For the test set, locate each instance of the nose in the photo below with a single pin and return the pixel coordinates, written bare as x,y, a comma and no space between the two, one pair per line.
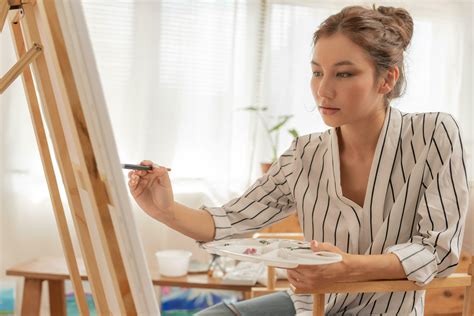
325,89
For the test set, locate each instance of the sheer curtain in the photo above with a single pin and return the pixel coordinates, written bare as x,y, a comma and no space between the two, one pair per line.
174,84
175,75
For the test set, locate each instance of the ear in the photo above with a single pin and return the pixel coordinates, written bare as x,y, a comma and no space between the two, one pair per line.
389,80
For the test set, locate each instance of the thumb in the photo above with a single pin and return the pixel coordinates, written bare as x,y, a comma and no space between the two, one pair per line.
322,246
314,245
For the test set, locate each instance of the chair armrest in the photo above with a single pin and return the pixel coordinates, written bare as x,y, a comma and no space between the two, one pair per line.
454,280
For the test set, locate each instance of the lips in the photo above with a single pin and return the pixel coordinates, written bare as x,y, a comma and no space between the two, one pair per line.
325,110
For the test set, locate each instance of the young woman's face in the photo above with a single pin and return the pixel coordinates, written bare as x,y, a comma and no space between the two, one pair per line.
343,81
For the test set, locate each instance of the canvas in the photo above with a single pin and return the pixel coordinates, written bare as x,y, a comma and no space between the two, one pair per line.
73,107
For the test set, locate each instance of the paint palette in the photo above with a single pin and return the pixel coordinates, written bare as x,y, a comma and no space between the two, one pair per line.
282,253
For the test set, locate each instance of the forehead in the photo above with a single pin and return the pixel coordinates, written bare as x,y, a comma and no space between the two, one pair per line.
338,47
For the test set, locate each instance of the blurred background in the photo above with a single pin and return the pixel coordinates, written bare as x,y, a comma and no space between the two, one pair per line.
176,76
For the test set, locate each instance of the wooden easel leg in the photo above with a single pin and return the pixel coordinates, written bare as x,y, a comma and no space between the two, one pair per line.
50,106
4,8
57,298
45,154
31,302
94,183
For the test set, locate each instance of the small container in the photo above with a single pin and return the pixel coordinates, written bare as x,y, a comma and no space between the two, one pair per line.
173,263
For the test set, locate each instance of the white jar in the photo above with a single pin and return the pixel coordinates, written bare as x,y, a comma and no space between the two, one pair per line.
173,263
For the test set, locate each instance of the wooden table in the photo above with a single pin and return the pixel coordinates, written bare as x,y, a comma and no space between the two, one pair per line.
54,271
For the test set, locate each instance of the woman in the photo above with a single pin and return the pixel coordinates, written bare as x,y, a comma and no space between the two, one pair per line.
386,190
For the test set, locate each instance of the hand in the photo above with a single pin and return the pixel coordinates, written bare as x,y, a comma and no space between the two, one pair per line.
152,191
310,276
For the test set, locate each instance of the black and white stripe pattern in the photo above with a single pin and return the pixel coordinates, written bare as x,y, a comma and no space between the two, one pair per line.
415,205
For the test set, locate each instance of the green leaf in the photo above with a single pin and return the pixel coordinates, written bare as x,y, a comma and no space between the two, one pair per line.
254,109
250,108
284,120
293,132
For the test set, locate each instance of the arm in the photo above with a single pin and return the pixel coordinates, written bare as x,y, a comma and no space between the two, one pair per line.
352,268
267,201
196,224
376,267
434,249
153,192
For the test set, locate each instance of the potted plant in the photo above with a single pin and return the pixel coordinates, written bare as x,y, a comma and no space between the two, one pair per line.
272,131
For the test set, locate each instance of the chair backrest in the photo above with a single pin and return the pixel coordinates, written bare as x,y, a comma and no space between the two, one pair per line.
468,246
468,243
288,225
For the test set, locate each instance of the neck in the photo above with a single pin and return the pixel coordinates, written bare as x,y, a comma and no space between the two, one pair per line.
359,139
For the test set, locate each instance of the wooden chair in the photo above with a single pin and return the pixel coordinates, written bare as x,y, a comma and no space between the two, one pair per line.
454,280
439,287
440,292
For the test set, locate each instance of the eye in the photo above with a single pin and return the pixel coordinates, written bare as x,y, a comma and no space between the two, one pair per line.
317,74
343,75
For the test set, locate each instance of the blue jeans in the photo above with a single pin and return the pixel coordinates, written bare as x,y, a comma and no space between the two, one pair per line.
275,304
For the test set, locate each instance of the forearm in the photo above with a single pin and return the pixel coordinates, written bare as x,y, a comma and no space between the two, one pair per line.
376,267
194,223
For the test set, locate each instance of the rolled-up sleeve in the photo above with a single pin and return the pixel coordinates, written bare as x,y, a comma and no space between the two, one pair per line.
434,250
267,201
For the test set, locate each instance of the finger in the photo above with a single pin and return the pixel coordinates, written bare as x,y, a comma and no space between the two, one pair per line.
133,173
132,183
297,274
296,280
324,246
289,273
319,246
146,163
162,174
292,280
137,185
139,173
133,179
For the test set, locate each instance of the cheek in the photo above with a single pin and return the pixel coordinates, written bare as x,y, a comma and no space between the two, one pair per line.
314,86
358,92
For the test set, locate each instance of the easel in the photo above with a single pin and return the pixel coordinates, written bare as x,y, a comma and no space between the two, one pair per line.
33,24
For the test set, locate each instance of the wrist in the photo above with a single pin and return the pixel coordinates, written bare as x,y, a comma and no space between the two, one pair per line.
358,268
166,216
375,267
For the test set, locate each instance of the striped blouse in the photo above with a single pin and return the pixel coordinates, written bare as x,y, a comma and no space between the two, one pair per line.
415,205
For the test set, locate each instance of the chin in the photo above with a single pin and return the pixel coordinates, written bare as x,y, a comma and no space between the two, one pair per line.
331,122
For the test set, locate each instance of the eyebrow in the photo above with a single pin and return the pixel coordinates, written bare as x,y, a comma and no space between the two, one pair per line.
341,63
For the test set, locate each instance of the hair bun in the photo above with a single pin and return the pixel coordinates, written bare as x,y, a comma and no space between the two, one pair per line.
403,23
